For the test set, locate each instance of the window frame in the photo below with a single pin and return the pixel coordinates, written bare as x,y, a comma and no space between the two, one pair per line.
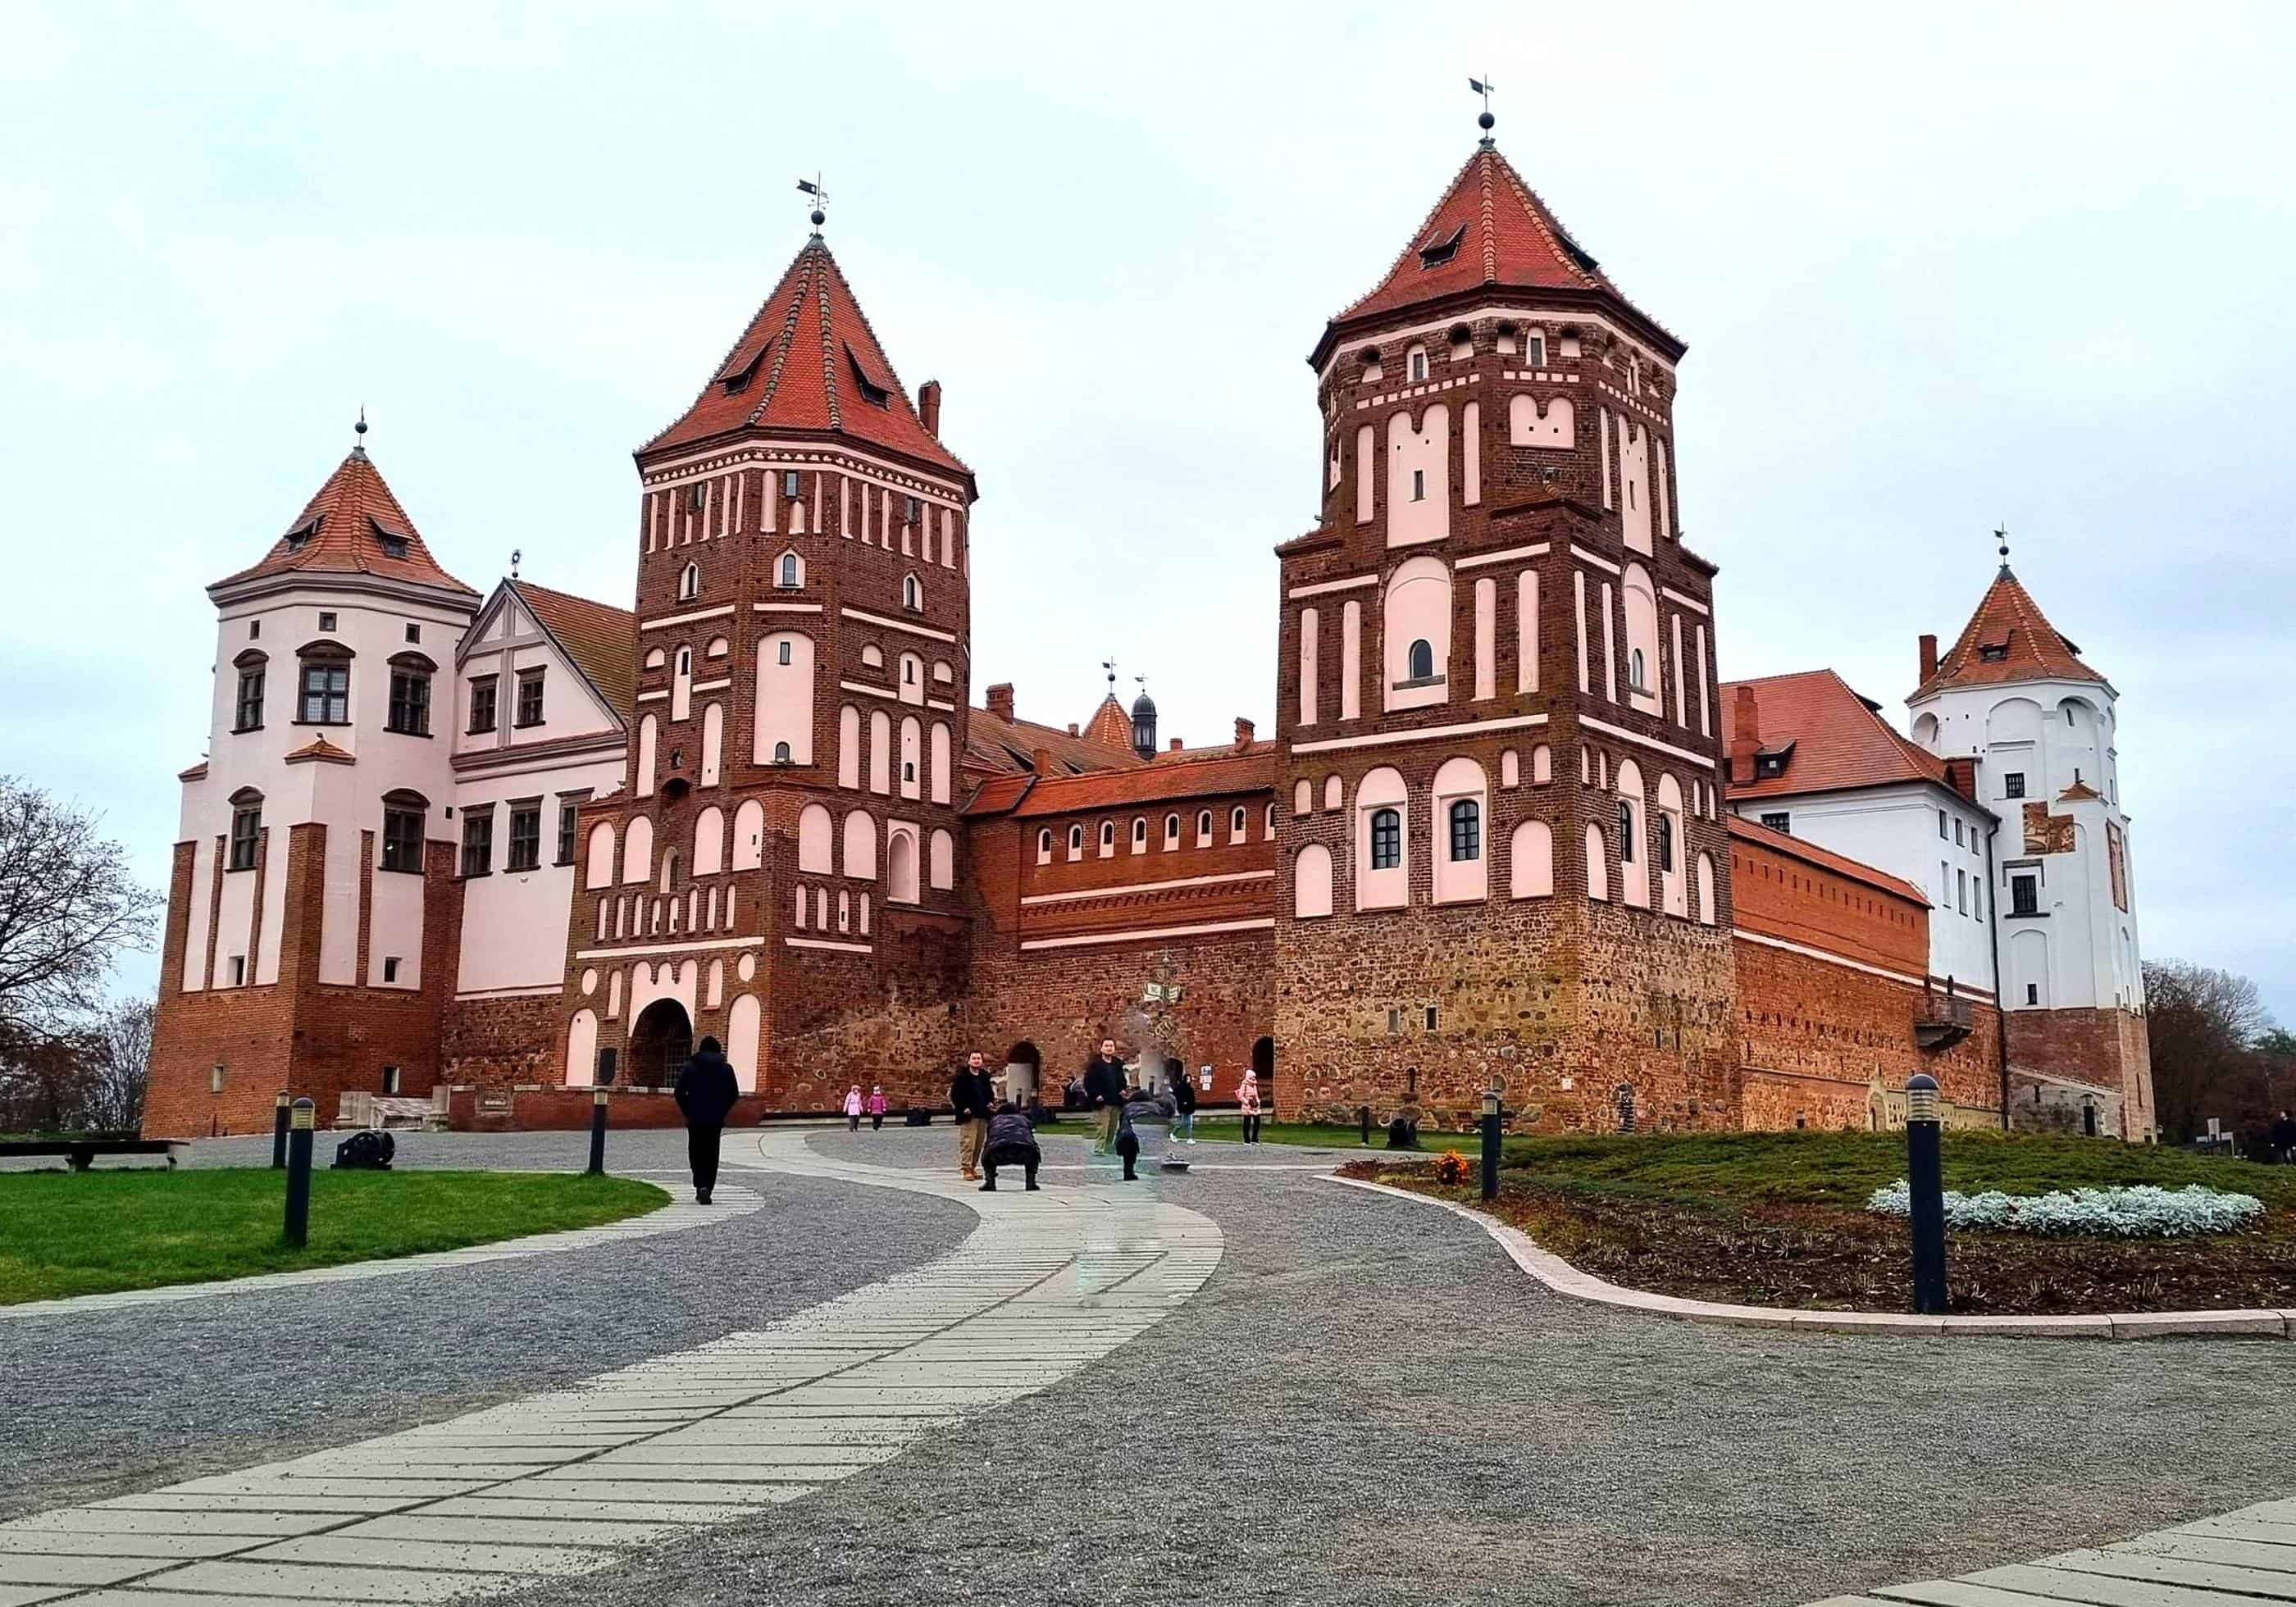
1386,838
246,836
570,820
487,688
529,680
334,702
524,850
478,846
408,711
1465,818
246,702
395,845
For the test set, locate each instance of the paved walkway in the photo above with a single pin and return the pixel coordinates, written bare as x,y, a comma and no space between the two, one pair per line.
2243,1559
569,1481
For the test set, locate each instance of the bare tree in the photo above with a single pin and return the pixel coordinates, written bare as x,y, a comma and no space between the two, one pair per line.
111,1092
2204,1027
67,908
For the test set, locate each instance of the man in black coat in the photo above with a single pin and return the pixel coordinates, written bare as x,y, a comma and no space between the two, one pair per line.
970,1094
1104,1090
706,1092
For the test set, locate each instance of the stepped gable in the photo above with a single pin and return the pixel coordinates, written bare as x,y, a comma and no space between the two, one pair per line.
1832,738
352,525
808,361
2008,639
601,640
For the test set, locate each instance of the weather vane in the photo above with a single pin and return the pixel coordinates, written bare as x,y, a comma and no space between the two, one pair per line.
1483,87
515,555
820,192
359,429
1110,665
2001,535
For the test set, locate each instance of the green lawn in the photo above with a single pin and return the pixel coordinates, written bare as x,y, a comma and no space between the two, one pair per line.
89,1233
1229,1129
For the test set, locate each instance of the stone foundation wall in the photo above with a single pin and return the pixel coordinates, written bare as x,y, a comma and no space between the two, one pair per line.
2103,1055
499,1042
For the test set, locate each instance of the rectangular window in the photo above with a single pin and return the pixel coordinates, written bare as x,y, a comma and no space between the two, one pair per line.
1960,889
1419,485
239,970
482,704
248,712
789,482
390,1080
246,832
1957,839
529,697
2032,993
410,702
391,968
402,840
413,633
2012,785
911,509
1466,830
326,694
2024,895
566,812
525,838
326,621
1385,840
1431,1018
1780,822
1941,825
478,840
1534,349
1626,832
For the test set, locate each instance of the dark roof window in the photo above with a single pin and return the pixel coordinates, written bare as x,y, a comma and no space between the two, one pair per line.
300,535
874,391
1436,249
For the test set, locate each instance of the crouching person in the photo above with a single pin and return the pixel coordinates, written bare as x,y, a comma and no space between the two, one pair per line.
1011,1142
1144,1120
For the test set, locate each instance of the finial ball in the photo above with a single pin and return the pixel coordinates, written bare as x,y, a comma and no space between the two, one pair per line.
819,218
1486,122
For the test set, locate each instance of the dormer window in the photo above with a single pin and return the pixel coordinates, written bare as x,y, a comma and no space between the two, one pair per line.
1769,764
1993,652
1440,247
393,542
874,390
300,535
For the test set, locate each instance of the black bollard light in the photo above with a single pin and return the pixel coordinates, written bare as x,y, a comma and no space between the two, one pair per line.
279,1132
299,1174
598,1132
1363,1120
1491,1143
1925,1184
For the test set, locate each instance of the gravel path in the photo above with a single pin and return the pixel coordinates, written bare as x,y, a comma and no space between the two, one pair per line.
98,1403
1369,1404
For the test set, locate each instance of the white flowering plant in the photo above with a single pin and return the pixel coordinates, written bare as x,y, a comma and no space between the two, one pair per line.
2142,1211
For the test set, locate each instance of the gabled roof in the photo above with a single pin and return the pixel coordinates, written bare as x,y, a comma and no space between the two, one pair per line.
1220,775
1489,229
808,360
1110,726
1780,842
352,525
2008,639
1834,739
994,744
601,640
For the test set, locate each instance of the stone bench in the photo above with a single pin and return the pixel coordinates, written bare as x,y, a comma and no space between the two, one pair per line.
82,1151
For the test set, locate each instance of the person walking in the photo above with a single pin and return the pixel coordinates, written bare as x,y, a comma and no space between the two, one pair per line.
876,1107
1247,1102
1104,1090
970,1095
1011,1142
853,1108
1184,1105
2283,1139
705,1092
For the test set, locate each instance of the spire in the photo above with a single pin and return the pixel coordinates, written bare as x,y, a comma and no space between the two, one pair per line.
1488,229
2008,639
353,525
1110,726
808,361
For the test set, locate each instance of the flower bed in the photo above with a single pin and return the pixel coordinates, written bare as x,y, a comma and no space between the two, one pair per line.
2138,1212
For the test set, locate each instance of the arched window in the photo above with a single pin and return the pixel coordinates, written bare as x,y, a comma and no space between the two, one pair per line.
913,593
600,871
941,870
1626,832
1460,791
1076,842
1044,846
1335,792
1640,601
1382,862
1542,764
748,837
1415,635
1107,838
689,582
1140,834
1637,670
1666,844
1466,829
1237,829
1203,828
792,572
860,846
1385,840
873,657
710,842
1423,660
901,866
1706,912
1172,830
781,753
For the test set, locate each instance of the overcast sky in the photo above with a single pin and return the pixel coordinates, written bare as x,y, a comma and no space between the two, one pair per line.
1938,268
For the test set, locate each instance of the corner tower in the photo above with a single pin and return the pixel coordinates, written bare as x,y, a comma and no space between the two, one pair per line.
1503,860
2013,695
780,869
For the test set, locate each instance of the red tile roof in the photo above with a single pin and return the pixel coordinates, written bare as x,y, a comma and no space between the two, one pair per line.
2008,639
1222,774
1780,843
1110,726
1836,737
994,744
809,361
600,639
1490,228
343,529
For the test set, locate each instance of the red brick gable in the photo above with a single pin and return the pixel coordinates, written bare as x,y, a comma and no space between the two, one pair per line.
2008,639
808,360
353,525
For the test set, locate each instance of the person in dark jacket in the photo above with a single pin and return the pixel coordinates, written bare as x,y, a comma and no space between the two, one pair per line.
970,1094
2283,1139
1011,1142
1184,1101
1141,1116
706,1092
1103,1091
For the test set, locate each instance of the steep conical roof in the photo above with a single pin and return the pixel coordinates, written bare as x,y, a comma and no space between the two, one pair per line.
1490,228
1109,725
353,525
809,361
2008,639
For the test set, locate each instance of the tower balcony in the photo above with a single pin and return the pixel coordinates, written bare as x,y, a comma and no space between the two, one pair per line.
1941,1021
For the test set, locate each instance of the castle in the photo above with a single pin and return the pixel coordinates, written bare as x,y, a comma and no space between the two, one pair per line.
1510,828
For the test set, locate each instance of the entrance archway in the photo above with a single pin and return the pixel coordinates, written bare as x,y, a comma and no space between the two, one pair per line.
1263,1061
1024,1070
661,1040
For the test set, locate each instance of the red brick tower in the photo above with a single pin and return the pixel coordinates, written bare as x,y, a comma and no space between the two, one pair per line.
780,869
1502,859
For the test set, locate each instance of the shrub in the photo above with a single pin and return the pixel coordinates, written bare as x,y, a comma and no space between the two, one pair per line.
1451,1168
2140,1212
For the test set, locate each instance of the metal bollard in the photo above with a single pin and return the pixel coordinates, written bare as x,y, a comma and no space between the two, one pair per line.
279,1132
1491,1144
1363,1120
298,1174
1925,1183
598,1133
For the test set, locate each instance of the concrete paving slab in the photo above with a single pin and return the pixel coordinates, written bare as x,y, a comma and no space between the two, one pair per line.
460,1556
121,1521
2102,1590
500,1530
301,1581
32,1569
675,1514
81,1543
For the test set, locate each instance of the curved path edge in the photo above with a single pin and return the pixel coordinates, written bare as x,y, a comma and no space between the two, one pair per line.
1559,1276
672,1216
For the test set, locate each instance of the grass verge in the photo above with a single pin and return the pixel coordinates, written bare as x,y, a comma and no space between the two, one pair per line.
1778,1219
92,1233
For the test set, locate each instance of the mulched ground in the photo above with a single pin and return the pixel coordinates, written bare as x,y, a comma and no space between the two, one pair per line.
1830,1256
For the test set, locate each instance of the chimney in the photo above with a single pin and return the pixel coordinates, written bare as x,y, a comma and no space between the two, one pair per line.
1745,736
1243,731
928,407
1072,728
1041,761
1929,657
1000,701
1175,745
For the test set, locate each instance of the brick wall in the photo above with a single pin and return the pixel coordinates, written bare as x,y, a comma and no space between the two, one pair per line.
2061,1060
496,1042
